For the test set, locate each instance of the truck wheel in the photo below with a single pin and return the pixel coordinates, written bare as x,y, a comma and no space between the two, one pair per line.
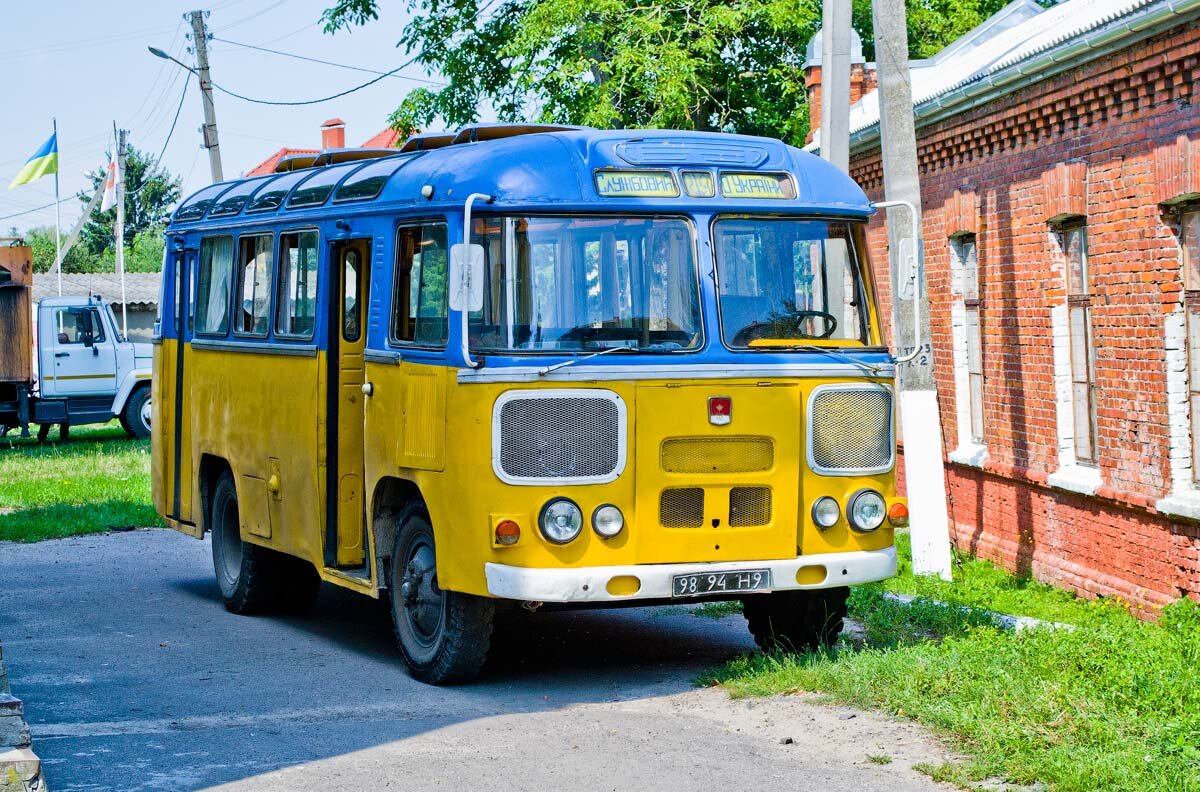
136,415
796,621
443,635
254,579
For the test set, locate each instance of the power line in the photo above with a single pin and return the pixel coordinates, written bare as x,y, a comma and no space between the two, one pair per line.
327,63
255,15
275,103
36,209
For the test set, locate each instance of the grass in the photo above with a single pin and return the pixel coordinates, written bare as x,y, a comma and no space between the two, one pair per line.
96,481
1111,705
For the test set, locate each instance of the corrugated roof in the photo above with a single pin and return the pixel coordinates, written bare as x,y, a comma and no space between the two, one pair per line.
1018,32
141,288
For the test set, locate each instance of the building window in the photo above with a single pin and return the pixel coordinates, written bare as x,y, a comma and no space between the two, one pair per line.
1083,355
1189,237
966,250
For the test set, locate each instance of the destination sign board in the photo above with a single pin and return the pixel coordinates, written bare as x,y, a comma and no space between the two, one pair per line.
699,184
757,185
636,184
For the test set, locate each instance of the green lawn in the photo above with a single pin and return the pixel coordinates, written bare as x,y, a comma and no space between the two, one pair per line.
96,481
1111,705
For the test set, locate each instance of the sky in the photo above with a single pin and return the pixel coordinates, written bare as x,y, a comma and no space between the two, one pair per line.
86,64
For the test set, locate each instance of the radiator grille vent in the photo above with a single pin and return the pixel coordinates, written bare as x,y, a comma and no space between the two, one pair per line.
681,508
851,430
749,506
561,437
717,454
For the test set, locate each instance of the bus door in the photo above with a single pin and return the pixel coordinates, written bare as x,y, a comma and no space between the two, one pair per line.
345,527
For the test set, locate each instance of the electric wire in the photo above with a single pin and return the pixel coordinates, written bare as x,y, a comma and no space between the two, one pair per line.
327,63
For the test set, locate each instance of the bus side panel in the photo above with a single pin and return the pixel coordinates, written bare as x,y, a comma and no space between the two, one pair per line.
259,413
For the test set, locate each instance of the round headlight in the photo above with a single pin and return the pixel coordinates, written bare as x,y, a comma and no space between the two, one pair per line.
607,520
867,510
826,512
560,520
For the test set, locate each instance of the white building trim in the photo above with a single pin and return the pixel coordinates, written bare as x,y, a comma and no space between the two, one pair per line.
1184,498
968,451
1070,475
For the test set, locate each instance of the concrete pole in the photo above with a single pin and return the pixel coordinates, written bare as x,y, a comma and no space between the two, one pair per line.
200,39
835,83
121,227
920,420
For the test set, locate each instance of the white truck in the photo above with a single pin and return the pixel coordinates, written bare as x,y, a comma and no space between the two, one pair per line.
69,366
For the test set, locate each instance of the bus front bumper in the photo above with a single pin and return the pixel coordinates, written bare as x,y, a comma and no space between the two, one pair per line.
655,581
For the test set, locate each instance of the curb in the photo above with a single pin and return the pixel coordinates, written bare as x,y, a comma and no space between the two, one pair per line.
20,768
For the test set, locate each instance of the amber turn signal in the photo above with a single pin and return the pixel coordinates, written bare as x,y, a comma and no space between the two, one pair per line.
507,533
898,515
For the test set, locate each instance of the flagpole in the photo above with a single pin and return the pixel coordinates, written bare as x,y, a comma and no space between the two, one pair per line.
120,135
57,218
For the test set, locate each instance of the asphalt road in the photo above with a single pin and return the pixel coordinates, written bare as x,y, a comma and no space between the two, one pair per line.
135,678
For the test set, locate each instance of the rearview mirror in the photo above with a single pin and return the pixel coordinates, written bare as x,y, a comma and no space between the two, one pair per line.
466,277
87,332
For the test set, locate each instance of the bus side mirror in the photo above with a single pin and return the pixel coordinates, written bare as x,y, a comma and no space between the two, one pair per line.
466,277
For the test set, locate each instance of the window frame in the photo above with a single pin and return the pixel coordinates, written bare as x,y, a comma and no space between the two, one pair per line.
874,333
1081,301
239,285
232,284
274,330
392,339
1191,330
972,309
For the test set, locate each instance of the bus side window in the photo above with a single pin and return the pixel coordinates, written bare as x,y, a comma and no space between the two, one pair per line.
296,303
254,285
351,275
419,305
212,285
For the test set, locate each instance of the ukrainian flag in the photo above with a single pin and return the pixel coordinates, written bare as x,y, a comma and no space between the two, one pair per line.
43,162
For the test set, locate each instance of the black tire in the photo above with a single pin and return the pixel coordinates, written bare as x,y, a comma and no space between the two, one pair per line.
254,579
796,621
135,418
444,636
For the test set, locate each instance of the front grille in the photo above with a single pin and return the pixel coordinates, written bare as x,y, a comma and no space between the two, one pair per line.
681,508
717,454
749,506
551,438
851,429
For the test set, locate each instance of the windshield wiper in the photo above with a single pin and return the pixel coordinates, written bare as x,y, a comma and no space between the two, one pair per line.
873,369
547,369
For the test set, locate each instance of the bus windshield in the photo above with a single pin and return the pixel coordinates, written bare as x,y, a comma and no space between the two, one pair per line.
788,282
574,283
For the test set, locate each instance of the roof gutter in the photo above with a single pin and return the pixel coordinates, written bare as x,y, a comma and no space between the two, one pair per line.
1103,41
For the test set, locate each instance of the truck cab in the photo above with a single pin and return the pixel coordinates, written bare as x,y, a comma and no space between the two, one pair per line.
86,371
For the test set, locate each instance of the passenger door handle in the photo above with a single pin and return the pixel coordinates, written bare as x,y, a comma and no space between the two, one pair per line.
368,388
62,354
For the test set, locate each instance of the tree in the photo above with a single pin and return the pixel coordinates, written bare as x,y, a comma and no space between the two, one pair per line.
689,64
151,193
41,239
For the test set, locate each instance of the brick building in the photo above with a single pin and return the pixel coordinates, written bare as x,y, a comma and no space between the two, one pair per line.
1060,170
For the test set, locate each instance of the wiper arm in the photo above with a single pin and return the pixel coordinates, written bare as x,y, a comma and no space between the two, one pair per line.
873,369
547,369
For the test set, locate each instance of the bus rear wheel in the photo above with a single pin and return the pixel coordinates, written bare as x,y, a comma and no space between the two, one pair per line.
796,621
254,579
444,636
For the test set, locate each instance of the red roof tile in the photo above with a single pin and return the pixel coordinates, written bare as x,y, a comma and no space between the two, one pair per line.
268,165
388,138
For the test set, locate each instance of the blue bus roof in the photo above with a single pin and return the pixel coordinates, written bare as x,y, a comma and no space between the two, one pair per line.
550,168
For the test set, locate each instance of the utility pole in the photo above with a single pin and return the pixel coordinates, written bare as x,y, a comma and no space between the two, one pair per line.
835,83
120,229
921,426
200,39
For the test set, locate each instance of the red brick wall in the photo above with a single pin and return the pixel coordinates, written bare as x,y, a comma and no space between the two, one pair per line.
1022,157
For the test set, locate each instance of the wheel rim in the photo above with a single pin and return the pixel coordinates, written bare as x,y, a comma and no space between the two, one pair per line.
230,538
144,414
422,602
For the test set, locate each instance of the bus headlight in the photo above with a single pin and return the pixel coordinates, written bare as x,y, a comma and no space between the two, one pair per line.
866,510
607,521
826,512
560,520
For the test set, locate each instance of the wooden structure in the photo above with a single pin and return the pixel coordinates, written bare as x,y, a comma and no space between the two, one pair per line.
16,314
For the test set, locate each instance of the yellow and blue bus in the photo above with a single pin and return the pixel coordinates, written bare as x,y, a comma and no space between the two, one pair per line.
531,365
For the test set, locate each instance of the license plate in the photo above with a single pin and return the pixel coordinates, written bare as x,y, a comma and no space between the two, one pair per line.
701,583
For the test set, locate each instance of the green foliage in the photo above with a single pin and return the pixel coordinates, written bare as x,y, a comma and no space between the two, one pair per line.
41,239
96,481
699,64
151,193
1111,705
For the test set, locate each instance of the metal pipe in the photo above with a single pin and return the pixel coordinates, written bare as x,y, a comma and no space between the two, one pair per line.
914,275
465,313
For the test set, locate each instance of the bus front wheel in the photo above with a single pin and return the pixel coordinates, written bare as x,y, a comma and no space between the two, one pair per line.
253,579
796,621
443,635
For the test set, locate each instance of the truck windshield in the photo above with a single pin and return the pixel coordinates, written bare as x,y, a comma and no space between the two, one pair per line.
578,283
789,282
